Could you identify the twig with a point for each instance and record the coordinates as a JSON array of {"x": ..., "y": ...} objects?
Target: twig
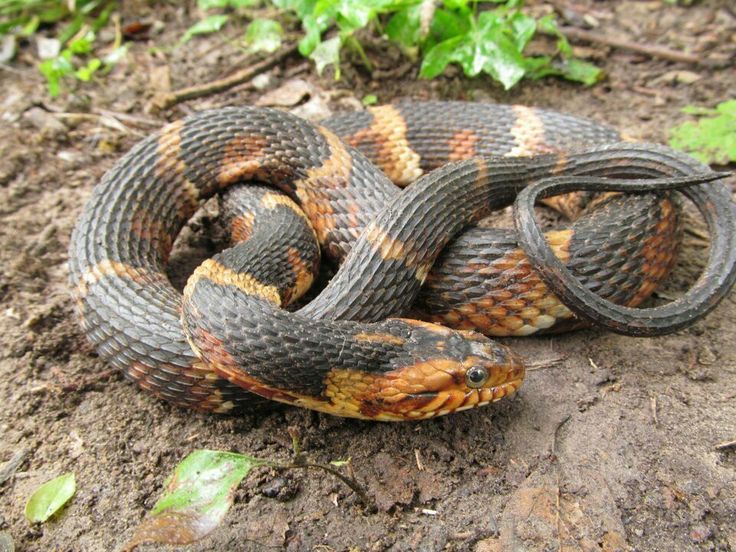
[
  {"x": 545, "y": 363},
  {"x": 651, "y": 51},
  {"x": 169, "y": 99},
  {"x": 726, "y": 445},
  {"x": 653, "y": 408},
  {"x": 132, "y": 119},
  {"x": 300, "y": 461},
  {"x": 105, "y": 120},
  {"x": 352, "y": 483},
  {"x": 418, "y": 458}
]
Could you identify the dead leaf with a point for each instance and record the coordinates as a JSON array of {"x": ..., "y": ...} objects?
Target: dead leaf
[{"x": 289, "y": 94}]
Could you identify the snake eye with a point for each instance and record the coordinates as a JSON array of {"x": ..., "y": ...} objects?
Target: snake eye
[{"x": 476, "y": 376}]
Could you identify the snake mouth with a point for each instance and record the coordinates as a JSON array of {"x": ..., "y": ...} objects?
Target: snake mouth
[
  {"x": 492, "y": 394},
  {"x": 444, "y": 403},
  {"x": 431, "y": 404}
]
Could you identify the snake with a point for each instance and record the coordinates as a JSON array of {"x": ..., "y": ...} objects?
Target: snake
[{"x": 401, "y": 331}]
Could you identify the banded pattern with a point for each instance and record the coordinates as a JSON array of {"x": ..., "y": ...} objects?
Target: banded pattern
[
  {"x": 325, "y": 356},
  {"x": 483, "y": 280}
]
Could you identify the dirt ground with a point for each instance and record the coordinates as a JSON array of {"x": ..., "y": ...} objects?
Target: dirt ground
[{"x": 611, "y": 449}]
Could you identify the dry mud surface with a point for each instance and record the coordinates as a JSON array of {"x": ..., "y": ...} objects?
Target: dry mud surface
[{"x": 611, "y": 449}]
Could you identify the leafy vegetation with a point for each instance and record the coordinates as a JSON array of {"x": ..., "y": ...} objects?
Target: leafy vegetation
[
  {"x": 72, "y": 52},
  {"x": 462, "y": 32},
  {"x": 50, "y": 497},
  {"x": 488, "y": 37},
  {"x": 200, "y": 492},
  {"x": 712, "y": 138},
  {"x": 492, "y": 42},
  {"x": 197, "y": 497}
]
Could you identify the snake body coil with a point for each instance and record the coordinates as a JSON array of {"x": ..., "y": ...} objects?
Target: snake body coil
[{"x": 343, "y": 353}]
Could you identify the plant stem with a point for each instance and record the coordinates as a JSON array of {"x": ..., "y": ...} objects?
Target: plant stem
[
  {"x": 356, "y": 487},
  {"x": 353, "y": 43}
]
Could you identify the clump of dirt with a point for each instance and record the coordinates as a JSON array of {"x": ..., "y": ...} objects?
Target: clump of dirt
[{"x": 610, "y": 449}]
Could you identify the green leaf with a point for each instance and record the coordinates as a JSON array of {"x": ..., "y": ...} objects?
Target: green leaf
[
  {"x": 446, "y": 24},
  {"x": 50, "y": 497},
  {"x": 697, "y": 110},
  {"x": 263, "y": 35},
  {"x": 581, "y": 71},
  {"x": 212, "y": 4},
  {"x": 209, "y": 25},
  {"x": 404, "y": 27},
  {"x": 313, "y": 35},
  {"x": 438, "y": 57},
  {"x": 523, "y": 28},
  {"x": 568, "y": 67},
  {"x": 710, "y": 139},
  {"x": 727, "y": 108},
  {"x": 455, "y": 5},
  {"x": 370, "y": 99},
  {"x": 54, "y": 13},
  {"x": 300, "y": 7},
  {"x": 54, "y": 69},
  {"x": 85, "y": 73},
  {"x": 497, "y": 52},
  {"x": 31, "y": 26},
  {"x": 487, "y": 45},
  {"x": 350, "y": 15},
  {"x": 327, "y": 53},
  {"x": 104, "y": 16},
  {"x": 71, "y": 29},
  {"x": 548, "y": 24},
  {"x": 197, "y": 497},
  {"x": 82, "y": 45}
]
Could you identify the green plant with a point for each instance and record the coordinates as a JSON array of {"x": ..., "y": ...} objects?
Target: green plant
[
  {"x": 81, "y": 20},
  {"x": 77, "y": 60},
  {"x": 712, "y": 138},
  {"x": 200, "y": 492},
  {"x": 491, "y": 41},
  {"x": 50, "y": 497},
  {"x": 481, "y": 37}
]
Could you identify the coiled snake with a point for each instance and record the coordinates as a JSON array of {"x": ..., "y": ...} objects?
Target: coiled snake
[{"x": 418, "y": 249}]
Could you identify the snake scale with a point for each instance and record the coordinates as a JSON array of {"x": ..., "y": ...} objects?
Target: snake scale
[{"x": 332, "y": 191}]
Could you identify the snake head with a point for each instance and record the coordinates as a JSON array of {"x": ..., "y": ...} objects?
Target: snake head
[{"x": 439, "y": 371}]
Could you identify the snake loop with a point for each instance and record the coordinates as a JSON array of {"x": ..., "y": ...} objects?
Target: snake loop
[{"x": 713, "y": 202}]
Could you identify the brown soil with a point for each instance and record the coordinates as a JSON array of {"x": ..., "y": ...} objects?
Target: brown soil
[{"x": 611, "y": 449}]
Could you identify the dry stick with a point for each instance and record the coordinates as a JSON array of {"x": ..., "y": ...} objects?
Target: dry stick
[
  {"x": 651, "y": 51},
  {"x": 545, "y": 363},
  {"x": 127, "y": 118},
  {"x": 170, "y": 99},
  {"x": 653, "y": 408},
  {"x": 726, "y": 445}
]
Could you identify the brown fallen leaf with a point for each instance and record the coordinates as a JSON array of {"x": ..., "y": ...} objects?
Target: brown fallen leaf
[{"x": 289, "y": 94}]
